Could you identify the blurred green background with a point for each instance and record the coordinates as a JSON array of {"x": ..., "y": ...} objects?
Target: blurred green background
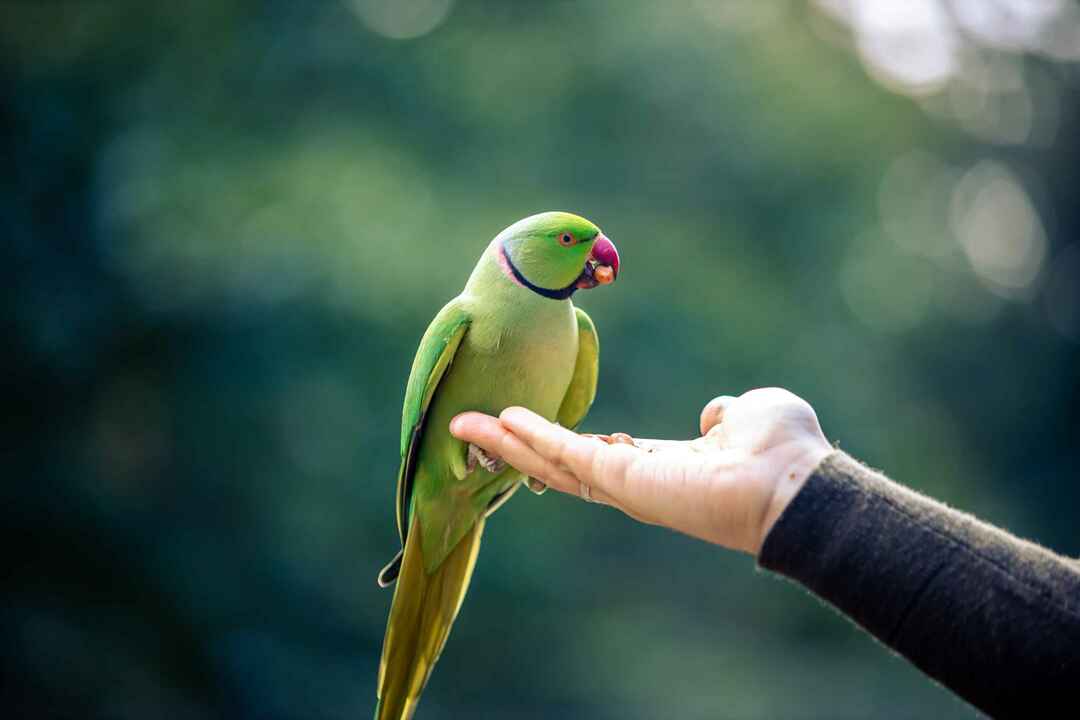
[{"x": 227, "y": 223}]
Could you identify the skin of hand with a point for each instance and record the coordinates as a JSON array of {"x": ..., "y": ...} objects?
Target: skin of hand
[{"x": 728, "y": 486}]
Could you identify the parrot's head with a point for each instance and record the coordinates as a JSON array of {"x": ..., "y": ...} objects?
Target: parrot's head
[{"x": 556, "y": 254}]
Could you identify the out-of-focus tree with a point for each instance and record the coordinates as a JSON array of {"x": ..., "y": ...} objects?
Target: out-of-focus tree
[{"x": 226, "y": 226}]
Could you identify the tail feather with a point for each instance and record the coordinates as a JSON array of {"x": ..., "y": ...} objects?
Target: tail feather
[{"x": 423, "y": 609}]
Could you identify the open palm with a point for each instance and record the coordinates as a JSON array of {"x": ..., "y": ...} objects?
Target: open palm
[{"x": 727, "y": 487}]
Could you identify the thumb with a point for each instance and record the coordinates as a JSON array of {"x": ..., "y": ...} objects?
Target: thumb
[{"x": 713, "y": 413}]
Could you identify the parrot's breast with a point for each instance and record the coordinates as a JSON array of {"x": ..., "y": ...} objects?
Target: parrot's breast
[
  {"x": 519, "y": 354},
  {"x": 525, "y": 359}
]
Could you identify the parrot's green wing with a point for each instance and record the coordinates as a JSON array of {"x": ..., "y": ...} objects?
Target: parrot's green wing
[
  {"x": 579, "y": 397},
  {"x": 436, "y": 353}
]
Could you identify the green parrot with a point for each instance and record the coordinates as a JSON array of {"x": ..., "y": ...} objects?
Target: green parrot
[{"x": 512, "y": 337}]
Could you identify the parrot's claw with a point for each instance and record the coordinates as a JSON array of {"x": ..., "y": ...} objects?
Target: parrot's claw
[
  {"x": 478, "y": 457},
  {"x": 536, "y": 487}
]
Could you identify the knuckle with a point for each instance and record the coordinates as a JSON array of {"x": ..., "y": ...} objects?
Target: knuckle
[
  {"x": 561, "y": 451},
  {"x": 598, "y": 464},
  {"x": 504, "y": 441}
]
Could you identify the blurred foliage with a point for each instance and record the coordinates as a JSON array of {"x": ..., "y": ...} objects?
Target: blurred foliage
[{"x": 227, "y": 224}]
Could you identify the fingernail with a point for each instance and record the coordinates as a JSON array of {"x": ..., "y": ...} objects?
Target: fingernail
[{"x": 455, "y": 425}]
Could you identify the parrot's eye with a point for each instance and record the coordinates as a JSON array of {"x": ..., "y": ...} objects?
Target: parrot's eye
[{"x": 566, "y": 239}]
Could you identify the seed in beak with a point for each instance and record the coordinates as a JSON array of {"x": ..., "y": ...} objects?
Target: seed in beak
[{"x": 604, "y": 275}]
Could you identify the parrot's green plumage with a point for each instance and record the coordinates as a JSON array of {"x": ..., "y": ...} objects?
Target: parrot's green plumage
[{"x": 512, "y": 337}]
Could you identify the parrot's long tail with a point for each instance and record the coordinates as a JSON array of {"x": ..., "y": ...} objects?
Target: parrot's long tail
[{"x": 423, "y": 609}]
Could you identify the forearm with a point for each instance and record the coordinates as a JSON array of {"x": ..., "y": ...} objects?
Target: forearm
[{"x": 994, "y": 618}]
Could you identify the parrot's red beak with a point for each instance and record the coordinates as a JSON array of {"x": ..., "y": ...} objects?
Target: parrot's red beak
[{"x": 602, "y": 267}]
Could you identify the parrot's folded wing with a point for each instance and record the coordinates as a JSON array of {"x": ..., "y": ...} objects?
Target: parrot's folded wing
[
  {"x": 436, "y": 353},
  {"x": 582, "y": 391}
]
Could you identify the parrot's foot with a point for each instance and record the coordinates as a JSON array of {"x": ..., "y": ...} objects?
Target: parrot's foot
[
  {"x": 536, "y": 487},
  {"x": 478, "y": 456}
]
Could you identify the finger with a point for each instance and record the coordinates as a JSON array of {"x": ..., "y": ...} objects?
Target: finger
[
  {"x": 555, "y": 444},
  {"x": 477, "y": 428},
  {"x": 600, "y": 497},
  {"x": 713, "y": 413},
  {"x": 625, "y": 474},
  {"x": 494, "y": 438},
  {"x": 595, "y": 495},
  {"x": 490, "y": 434},
  {"x": 651, "y": 445}
]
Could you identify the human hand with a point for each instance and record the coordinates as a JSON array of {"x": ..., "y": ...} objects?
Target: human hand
[{"x": 727, "y": 487}]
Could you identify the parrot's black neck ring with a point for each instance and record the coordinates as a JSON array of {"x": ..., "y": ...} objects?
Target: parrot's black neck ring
[{"x": 560, "y": 294}]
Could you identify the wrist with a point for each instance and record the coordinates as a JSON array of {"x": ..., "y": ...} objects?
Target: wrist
[{"x": 806, "y": 457}]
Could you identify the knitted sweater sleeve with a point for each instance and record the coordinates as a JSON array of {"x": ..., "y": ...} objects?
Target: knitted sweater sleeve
[{"x": 994, "y": 618}]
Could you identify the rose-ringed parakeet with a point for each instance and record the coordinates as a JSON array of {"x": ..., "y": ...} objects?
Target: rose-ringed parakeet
[{"x": 512, "y": 337}]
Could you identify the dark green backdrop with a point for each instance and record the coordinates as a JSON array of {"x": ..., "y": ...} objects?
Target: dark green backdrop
[{"x": 226, "y": 224}]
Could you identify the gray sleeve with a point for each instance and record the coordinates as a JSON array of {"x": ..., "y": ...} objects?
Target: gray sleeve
[{"x": 994, "y": 618}]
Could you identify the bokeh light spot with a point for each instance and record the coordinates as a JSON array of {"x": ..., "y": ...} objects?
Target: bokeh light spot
[
  {"x": 402, "y": 19},
  {"x": 999, "y": 229},
  {"x": 913, "y": 201},
  {"x": 1006, "y": 24},
  {"x": 972, "y": 50},
  {"x": 906, "y": 44}
]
